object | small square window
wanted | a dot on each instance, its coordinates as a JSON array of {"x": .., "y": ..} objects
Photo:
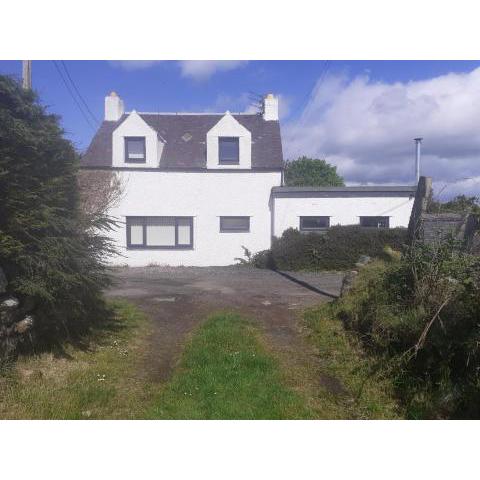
[
  {"x": 135, "y": 150},
  {"x": 234, "y": 224},
  {"x": 228, "y": 150},
  {"x": 375, "y": 222},
  {"x": 311, "y": 224}
]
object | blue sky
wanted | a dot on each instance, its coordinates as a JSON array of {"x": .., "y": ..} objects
[{"x": 359, "y": 115}]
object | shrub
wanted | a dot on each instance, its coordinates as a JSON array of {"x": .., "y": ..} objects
[
  {"x": 51, "y": 252},
  {"x": 339, "y": 248},
  {"x": 420, "y": 316}
]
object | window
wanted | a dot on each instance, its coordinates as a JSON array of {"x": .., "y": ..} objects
[
  {"x": 311, "y": 224},
  {"x": 376, "y": 222},
  {"x": 160, "y": 232},
  {"x": 228, "y": 150},
  {"x": 135, "y": 150},
  {"x": 234, "y": 224}
]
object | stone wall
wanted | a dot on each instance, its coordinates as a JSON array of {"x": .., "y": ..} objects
[{"x": 434, "y": 227}]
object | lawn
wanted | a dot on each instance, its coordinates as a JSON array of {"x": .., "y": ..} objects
[
  {"x": 95, "y": 381},
  {"x": 226, "y": 374},
  {"x": 227, "y": 371}
]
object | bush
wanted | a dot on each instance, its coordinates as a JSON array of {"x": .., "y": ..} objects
[
  {"x": 339, "y": 248},
  {"x": 420, "y": 316},
  {"x": 51, "y": 252}
]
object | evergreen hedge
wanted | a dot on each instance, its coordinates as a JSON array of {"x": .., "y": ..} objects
[
  {"x": 51, "y": 252},
  {"x": 339, "y": 248}
]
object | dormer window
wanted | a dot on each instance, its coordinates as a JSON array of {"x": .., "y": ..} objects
[
  {"x": 135, "y": 150},
  {"x": 228, "y": 150}
]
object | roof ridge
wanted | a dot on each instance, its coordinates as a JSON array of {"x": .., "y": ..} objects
[{"x": 194, "y": 113}]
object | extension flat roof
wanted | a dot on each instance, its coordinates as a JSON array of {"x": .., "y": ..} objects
[{"x": 367, "y": 190}]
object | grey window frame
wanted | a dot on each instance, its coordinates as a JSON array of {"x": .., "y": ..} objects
[
  {"x": 135, "y": 160},
  {"x": 234, "y": 230},
  {"x": 229, "y": 162},
  {"x": 303, "y": 229},
  {"x": 144, "y": 223},
  {"x": 374, "y": 216}
]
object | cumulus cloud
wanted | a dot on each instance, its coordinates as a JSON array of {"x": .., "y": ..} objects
[
  {"x": 204, "y": 69},
  {"x": 248, "y": 103},
  {"x": 366, "y": 128},
  {"x": 194, "y": 69},
  {"x": 130, "y": 65}
]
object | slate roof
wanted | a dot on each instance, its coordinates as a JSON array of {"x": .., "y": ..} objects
[{"x": 191, "y": 154}]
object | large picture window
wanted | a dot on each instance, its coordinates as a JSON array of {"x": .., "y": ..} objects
[
  {"x": 160, "y": 232},
  {"x": 228, "y": 150},
  {"x": 234, "y": 224},
  {"x": 312, "y": 224},
  {"x": 375, "y": 222},
  {"x": 135, "y": 150}
]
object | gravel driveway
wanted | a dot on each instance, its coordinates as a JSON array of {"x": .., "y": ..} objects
[{"x": 178, "y": 299}]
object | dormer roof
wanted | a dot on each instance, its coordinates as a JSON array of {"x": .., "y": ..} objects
[{"x": 185, "y": 136}]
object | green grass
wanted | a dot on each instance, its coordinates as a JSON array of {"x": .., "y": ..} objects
[
  {"x": 370, "y": 391},
  {"x": 99, "y": 380},
  {"x": 225, "y": 373}
]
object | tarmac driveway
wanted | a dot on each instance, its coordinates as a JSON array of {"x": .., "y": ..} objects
[{"x": 178, "y": 299}]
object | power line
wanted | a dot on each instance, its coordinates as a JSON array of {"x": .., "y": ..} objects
[
  {"x": 95, "y": 119},
  {"x": 73, "y": 96},
  {"x": 318, "y": 83}
]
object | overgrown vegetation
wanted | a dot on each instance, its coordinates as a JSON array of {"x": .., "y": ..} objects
[
  {"x": 459, "y": 204},
  {"x": 418, "y": 315},
  {"x": 53, "y": 254},
  {"x": 365, "y": 392},
  {"x": 339, "y": 248},
  {"x": 311, "y": 172}
]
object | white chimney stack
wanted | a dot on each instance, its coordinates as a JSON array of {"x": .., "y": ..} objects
[
  {"x": 113, "y": 107},
  {"x": 270, "y": 107}
]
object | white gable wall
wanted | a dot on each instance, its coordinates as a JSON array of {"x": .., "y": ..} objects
[
  {"x": 135, "y": 126},
  {"x": 205, "y": 196},
  {"x": 342, "y": 210},
  {"x": 228, "y": 126}
]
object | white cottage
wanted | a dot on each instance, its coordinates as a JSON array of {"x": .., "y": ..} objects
[{"x": 198, "y": 187}]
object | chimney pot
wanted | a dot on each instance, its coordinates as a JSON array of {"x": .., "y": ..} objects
[
  {"x": 270, "y": 107},
  {"x": 114, "y": 108}
]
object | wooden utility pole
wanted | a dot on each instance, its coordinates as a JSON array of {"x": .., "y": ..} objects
[{"x": 27, "y": 74}]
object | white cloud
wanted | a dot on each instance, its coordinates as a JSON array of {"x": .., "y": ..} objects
[
  {"x": 366, "y": 128},
  {"x": 247, "y": 103},
  {"x": 204, "y": 69},
  {"x": 130, "y": 65},
  {"x": 284, "y": 106}
]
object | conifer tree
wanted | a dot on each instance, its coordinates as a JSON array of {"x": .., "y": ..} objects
[{"x": 50, "y": 251}]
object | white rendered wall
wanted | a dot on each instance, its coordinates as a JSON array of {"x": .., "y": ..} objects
[
  {"x": 341, "y": 210},
  {"x": 205, "y": 196}
]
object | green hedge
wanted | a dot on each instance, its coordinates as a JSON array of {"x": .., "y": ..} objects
[{"x": 339, "y": 248}]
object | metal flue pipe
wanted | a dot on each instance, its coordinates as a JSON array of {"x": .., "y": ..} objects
[{"x": 418, "y": 143}]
